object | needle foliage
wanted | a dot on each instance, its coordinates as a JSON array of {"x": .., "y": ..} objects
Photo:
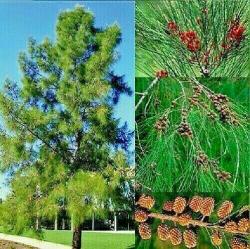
[
  {"x": 160, "y": 43},
  {"x": 167, "y": 161}
]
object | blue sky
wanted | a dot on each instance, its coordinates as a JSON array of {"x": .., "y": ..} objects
[{"x": 24, "y": 19}]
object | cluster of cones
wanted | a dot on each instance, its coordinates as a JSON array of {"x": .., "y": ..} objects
[
  {"x": 234, "y": 36},
  {"x": 189, "y": 38},
  {"x": 221, "y": 104},
  {"x": 194, "y": 100},
  {"x": 181, "y": 211},
  {"x": 162, "y": 123}
]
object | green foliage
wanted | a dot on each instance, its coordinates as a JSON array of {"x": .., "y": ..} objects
[
  {"x": 166, "y": 160},
  {"x": 159, "y": 48},
  {"x": 86, "y": 195},
  {"x": 59, "y": 134}
]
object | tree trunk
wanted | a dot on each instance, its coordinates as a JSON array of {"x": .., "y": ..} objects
[
  {"x": 37, "y": 223},
  {"x": 77, "y": 237},
  {"x": 93, "y": 222},
  {"x": 72, "y": 223},
  {"x": 115, "y": 221},
  {"x": 56, "y": 223},
  {"x": 128, "y": 223},
  {"x": 63, "y": 224}
]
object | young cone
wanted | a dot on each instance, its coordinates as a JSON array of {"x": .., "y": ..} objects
[
  {"x": 216, "y": 238},
  {"x": 179, "y": 204},
  {"x": 146, "y": 201},
  {"x": 243, "y": 225},
  {"x": 237, "y": 243},
  {"x": 163, "y": 232},
  {"x": 184, "y": 219},
  {"x": 190, "y": 238},
  {"x": 225, "y": 209},
  {"x": 168, "y": 206},
  {"x": 144, "y": 231},
  {"x": 175, "y": 236},
  {"x": 195, "y": 203},
  {"x": 231, "y": 226},
  {"x": 141, "y": 215},
  {"x": 207, "y": 206}
]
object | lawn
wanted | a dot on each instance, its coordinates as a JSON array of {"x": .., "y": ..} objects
[{"x": 92, "y": 240}]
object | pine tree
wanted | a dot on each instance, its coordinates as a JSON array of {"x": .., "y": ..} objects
[{"x": 59, "y": 122}]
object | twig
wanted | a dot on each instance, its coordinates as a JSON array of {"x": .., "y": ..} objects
[
  {"x": 198, "y": 223},
  {"x": 146, "y": 92}
]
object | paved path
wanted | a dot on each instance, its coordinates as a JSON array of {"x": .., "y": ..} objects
[{"x": 32, "y": 242}]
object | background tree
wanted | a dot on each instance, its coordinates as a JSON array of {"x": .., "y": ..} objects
[{"x": 60, "y": 121}]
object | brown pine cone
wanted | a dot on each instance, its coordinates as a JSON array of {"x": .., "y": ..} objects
[
  {"x": 163, "y": 232},
  {"x": 141, "y": 215},
  {"x": 185, "y": 130},
  {"x": 162, "y": 123},
  {"x": 231, "y": 226},
  {"x": 216, "y": 238},
  {"x": 146, "y": 201},
  {"x": 168, "y": 206},
  {"x": 175, "y": 236},
  {"x": 243, "y": 225},
  {"x": 237, "y": 243},
  {"x": 184, "y": 219},
  {"x": 195, "y": 203},
  {"x": 225, "y": 209},
  {"x": 207, "y": 206},
  {"x": 179, "y": 204},
  {"x": 190, "y": 238},
  {"x": 144, "y": 231}
]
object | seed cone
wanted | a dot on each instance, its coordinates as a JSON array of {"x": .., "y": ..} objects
[
  {"x": 163, "y": 232},
  {"x": 231, "y": 226},
  {"x": 141, "y": 215},
  {"x": 184, "y": 219},
  {"x": 175, "y": 236},
  {"x": 222, "y": 175},
  {"x": 146, "y": 201},
  {"x": 225, "y": 209},
  {"x": 237, "y": 243},
  {"x": 179, "y": 204},
  {"x": 207, "y": 206},
  {"x": 162, "y": 124},
  {"x": 216, "y": 238},
  {"x": 185, "y": 130},
  {"x": 168, "y": 206},
  {"x": 144, "y": 231},
  {"x": 243, "y": 225},
  {"x": 195, "y": 203},
  {"x": 190, "y": 238},
  {"x": 202, "y": 159}
]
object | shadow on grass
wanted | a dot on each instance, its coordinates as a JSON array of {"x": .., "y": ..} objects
[{"x": 131, "y": 247}]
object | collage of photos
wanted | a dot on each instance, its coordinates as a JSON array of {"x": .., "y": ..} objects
[
  {"x": 124, "y": 124},
  {"x": 192, "y": 124}
]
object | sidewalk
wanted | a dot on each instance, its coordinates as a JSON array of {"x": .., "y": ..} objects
[{"x": 32, "y": 242}]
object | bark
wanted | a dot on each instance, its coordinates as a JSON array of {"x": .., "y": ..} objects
[
  {"x": 63, "y": 224},
  {"x": 115, "y": 221},
  {"x": 93, "y": 222},
  {"x": 72, "y": 223},
  {"x": 56, "y": 223},
  {"x": 77, "y": 237},
  {"x": 37, "y": 223}
]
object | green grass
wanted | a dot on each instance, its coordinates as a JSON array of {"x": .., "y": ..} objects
[{"x": 92, "y": 240}]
